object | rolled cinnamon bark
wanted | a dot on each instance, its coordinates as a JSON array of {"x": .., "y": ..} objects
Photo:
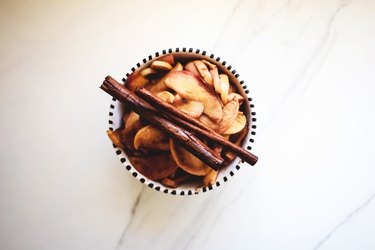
[
  {"x": 194, "y": 125},
  {"x": 185, "y": 138}
]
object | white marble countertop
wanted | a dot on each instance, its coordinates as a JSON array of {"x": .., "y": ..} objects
[{"x": 309, "y": 66}]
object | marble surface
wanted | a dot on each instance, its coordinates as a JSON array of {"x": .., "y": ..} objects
[{"x": 309, "y": 66}]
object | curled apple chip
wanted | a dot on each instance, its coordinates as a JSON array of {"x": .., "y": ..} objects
[
  {"x": 160, "y": 65},
  {"x": 237, "y": 97},
  {"x": 187, "y": 161},
  {"x": 128, "y": 134},
  {"x": 192, "y": 108},
  {"x": 203, "y": 71},
  {"x": 168, "y": 58},
  {"x": 155, "y": 167},
  {"x": 216, "y": 80},
  {"x": 230, "y": 112},
  {"x": 159, "y": 85},
  {"x": 239, "y": 137},
  {"x": 177, "y": 97},
  {"x": 131, "y": 118},
  {"x": 191, "y": 87},
  {"x": 134, "y": 80},
  {"x": 210, "y": 178},
  {"x": 150, "y": 137},
  {"x": 224, "y": 83},
  {"x": 148, "y": 71},
  {"x": 166, "y": 96},
  {"x": 191, "y": 68},
  {"x": 115, "y": 137},
  {"x": 238, "y": 124}
]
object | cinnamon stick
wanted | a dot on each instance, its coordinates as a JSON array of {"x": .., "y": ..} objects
[
  {"x": 194, "y": 125},
  {"x": 185, "y": 138}
]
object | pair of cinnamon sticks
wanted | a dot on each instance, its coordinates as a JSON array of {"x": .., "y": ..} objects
[{"x": 177, "y": 124}]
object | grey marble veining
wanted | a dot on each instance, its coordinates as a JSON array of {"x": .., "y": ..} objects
[{"x": 308, "y": 66}]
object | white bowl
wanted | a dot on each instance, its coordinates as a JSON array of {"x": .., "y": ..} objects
[{"x": 226, "y": 173}]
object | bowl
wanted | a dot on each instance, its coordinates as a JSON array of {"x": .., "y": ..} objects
[{"x": 226, "y": 173}]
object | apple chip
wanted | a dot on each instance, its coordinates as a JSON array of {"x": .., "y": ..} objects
[
  {"x": 210, "y": 178},
  {"x": 148, "y": 71},
  {"x": 224, "y": 83},
  {"x": 191, "y": 87},
  {"x": 159, "y": 85},
  {"x": 155, "y": 167},
  {"x": 150, "y": 137},
  {"x": 237, "y": 97},
  {"x": 131, "y": 118},
  {"x": 203, "y": 71},
  {"x": 128, "y": 134},
  {"x": 191, "y": 68},
  {"x": 192, "y": 108},
  {"x": 115, "y": 137},
  {"x": 230, "y": 112},
  {"x": 187, "y": 161},
  {"x": 134, "y": 80},
  {"x": 160, "y": 65},
  {"x": 166, "y": 96},
  {"x": 168, "y": 58},
  {"x": 238, "y": 124}
]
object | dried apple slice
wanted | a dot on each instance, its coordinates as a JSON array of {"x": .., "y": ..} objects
[
  {"x": 192, "y": 108},
  {"x": 166, "y": 96},
  {"x": 232, "y": 89},
  {"x": 177, "y": 97},
  {"x": 190, "y": 66},
  {"x": 238, "y": 124},
  {"x": 150, "y": 137},
  {"x": 168, "y": 58},
  {"x": 203, "y": 71},
  {"x": 191, "y": 87},
  {"x": 229, "y": 155},
  {"x": 155, "y": 167},
  {"x": 224, "y": 83},
  {"x": 208, "y": 64},
  {"x": 216, "y": 80},
  {"x": 160, "y": 65},
  {"x": 237, "y": 97},
  {"x": 210, "y": 178},
  {"x": 131, "y": 118},
  {"x": 175, "y": 182},
  {"x": 148, "y": 71},
  {"x": 215, "y": 76},
  {"x": 128, "y": 134},
  {"x": 115, "y": 137},
  {"x": 187, "y": 161},
  {"x": 159, "y": 85},
  {"x": 230, "y": 112},
  {"x": 134, "y": 80}
]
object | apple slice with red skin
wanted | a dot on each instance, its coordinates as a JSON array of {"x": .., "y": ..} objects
[
  {"x": 191, "y": 87},
  {"x": 230, "y": 112},
  {"x": 190, "y": 66},
  {"x": 159, "y": 85}
]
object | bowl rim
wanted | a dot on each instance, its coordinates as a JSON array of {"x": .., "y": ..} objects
[{"x": 247, "y": 143}]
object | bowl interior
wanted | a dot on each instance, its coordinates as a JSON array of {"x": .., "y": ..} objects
[{"x": 117, "y": 108}]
